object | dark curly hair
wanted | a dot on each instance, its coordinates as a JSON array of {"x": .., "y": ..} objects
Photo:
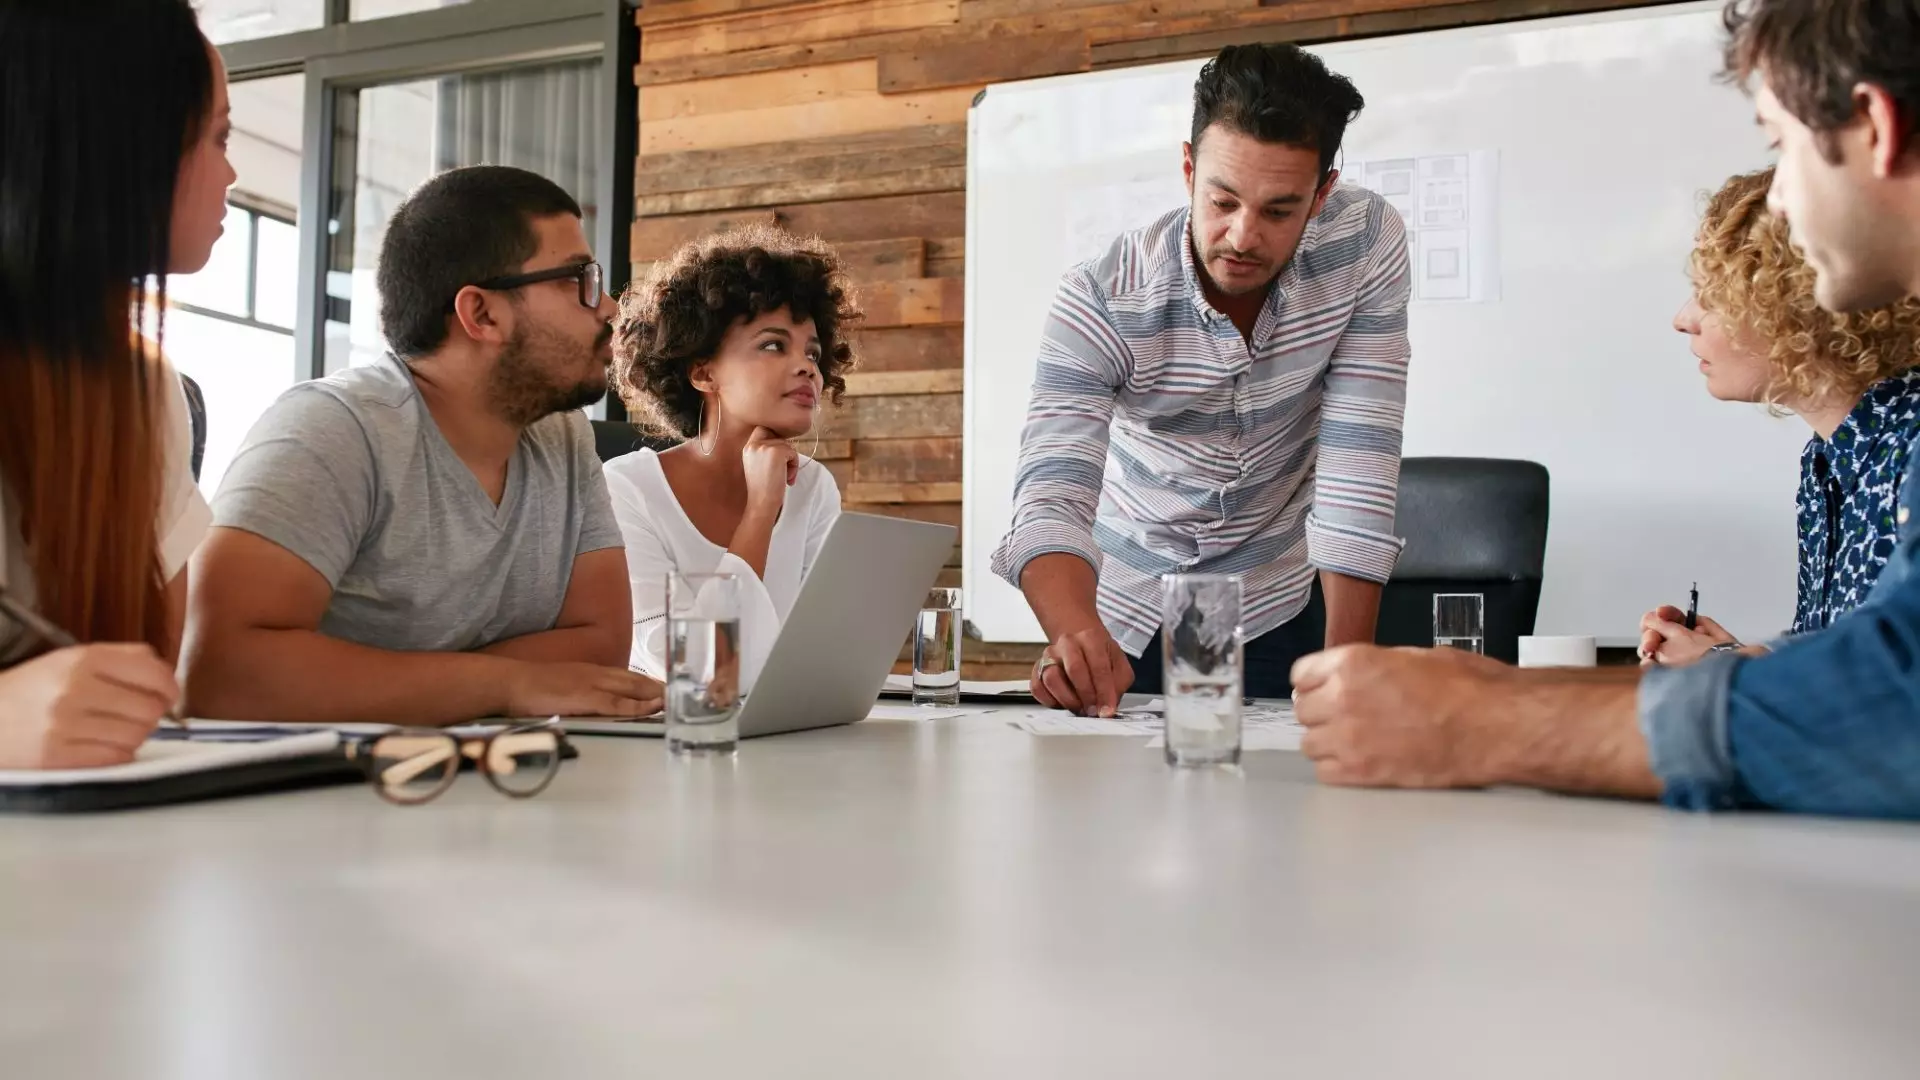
[{"x": 674, "y": 320}]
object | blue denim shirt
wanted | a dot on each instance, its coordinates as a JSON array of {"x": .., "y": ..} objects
[{"x": 1829, "y": 724}]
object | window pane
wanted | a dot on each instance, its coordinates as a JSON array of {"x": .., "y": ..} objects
[
  {"x": 222, "y": 285},
  {"x": 240, "y": 369},
  {"x": 380, "y": 9},
  {"x": 277, "y": 275},
  {"x": 550, "y": 119},
  {"x": 240, "y": 20}
]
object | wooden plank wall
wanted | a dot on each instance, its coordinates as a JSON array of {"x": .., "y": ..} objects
[{"x": 847, "y": 119}]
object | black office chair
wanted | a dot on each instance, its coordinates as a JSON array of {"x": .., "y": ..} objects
[
  {"x": 1472, "y": 525},
  {"x": 197, "y": 419},
  {"x": 612, "y": 438}
]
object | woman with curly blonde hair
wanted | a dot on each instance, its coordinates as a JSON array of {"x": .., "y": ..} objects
[
  {"x": 1760, "y": 336},
  {"x": 731, "y": 345}
]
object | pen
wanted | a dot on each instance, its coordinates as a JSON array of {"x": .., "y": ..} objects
[
  {"x": 46, "y": 631},
  {"x": 1693, "y": 605}
]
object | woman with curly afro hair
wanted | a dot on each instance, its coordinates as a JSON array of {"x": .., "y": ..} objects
[
  {"x": 730, "y": 345},
  {"x": 1760, "y": 336}
]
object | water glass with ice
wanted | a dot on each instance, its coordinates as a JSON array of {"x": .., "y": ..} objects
[
  {"x": 1202, "y": 665},
  {"x": 703, "y": 664}
]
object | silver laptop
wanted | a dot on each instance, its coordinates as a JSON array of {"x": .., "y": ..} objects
[{"x": 856, "y": 608}]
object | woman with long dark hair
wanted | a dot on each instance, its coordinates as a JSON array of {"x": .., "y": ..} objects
[{"x": 113, "y": 120}]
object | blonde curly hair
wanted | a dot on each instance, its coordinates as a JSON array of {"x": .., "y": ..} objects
[{"x": 1746, "y": 272}]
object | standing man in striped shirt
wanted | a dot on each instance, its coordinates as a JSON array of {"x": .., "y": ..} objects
[{"x": 1221, "y": 392}]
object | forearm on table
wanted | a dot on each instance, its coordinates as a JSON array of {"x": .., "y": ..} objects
[
  {"x": 1353, "y": 608},
  {"x": 608, "y": 646},
  {"x": 1577, "y": 734},
  {"x": 304, "y": 676}
]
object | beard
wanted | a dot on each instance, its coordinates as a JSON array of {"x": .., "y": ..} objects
[{"x": 524, "y": 388}]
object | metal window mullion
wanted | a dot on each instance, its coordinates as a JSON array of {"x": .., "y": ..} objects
[{"x": 253, "y": 265}]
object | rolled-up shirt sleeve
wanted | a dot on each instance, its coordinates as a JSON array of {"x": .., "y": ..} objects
[
  {"x": 1830, "y": 724},
  {"x": 1063, "y": 449},
  {"x": 1362, "y": 411}
]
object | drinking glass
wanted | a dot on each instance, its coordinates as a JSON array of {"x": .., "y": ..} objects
[
  {"x": 1459, "y": 621},
  {"x": 936, "y": 650},
  {"x": 1202, "y": 666},
  {"x": 703, "y": 664}
]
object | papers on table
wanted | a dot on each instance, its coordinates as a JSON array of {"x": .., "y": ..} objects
[
  {"x": 1264, "y": 725},
  {"x": 1015, "y": 689}
]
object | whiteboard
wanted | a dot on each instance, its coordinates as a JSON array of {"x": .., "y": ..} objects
[{"x": 1542, "y": 330}]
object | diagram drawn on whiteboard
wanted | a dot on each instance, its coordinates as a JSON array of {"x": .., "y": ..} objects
[{"x": 1447, "y": 203}]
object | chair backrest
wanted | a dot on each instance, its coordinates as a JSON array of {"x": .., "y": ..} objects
[
  {"x": 197, "y": 419},
  {"x": 612, "y": 438},
  {"x": 1472, "y": 525}
]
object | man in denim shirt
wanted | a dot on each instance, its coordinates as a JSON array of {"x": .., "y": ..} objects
[{"x": 1830, "y": 723}]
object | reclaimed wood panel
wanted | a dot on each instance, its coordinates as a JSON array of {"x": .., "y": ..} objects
[
  {"x": 861, "y": 492},
  {"x": 1052, "y": 19},
  {"x": 840, "y": 157},
  {"x": 924, "y": 417},
  {"x": 985, "y": 61},
  {"x": 913, "y": 302},
  {"x": 761, "y": 90},
  {"x": 907, "y": 461},
  {"x": 883, "y": 260},
  {"x": 657, "y": 12},
  {"x": 877, "y": 383},
  {"x": 909, "y": 348},
  {"x": 793, "y": 25},
  {"x": 830, "y": 449},
  {"x": 812, "y": 120},
  {"x": 654, "y": 238},
  {"x": 858, "y": 184}
]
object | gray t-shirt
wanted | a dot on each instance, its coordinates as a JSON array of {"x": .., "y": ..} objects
[{"x": 351, "y": 474}]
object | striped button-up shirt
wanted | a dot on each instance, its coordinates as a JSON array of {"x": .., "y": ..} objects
[{"x": 1159, "y": 440}]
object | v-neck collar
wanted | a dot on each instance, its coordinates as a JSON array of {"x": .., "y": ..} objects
[
  {"x": 666, "y": 486},
  {"x": 498, "y": 513}
]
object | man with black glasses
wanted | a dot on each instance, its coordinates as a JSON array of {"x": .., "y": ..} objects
[{"x": 428, "y": 539}]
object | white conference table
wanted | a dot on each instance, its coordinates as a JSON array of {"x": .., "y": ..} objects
[{"x": 953, "y": 899}]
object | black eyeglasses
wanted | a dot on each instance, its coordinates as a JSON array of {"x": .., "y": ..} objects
[{"x": 592, "y": 281}]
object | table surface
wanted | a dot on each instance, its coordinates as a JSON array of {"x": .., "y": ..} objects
[{"x": 954, "y": 899}]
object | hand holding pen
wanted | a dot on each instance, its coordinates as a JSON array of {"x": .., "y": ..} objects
[
  {"x": 1673, "y": 637},
  {"x": 79, "y": 706}
]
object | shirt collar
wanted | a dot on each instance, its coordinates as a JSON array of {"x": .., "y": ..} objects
[
  {"x": 1276, "y": 296},
  {"x": 1853, "y": 443}
]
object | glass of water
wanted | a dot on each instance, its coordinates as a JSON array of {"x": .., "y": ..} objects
[
  {"x": 1201, "y": 654},
  {"x": 703, "y": 664},
  {"x": 936, "y": 650},
  {"x": 1460, "y": 621}
]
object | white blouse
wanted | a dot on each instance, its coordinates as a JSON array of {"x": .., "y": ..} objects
[
  {"x": 183, "y": 522},
  {"x": 661, "y": 540}
]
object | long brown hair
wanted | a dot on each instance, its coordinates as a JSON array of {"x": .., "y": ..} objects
[{"x": 89, "y": 174}]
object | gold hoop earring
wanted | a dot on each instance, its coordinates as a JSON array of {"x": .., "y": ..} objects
[{"x": 705, "y": 446}]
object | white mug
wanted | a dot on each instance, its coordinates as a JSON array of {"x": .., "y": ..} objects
[{"x": 1558, "y": 652}]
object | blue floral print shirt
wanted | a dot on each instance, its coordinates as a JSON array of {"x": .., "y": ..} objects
[{"x": 1848, "y": 487}]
